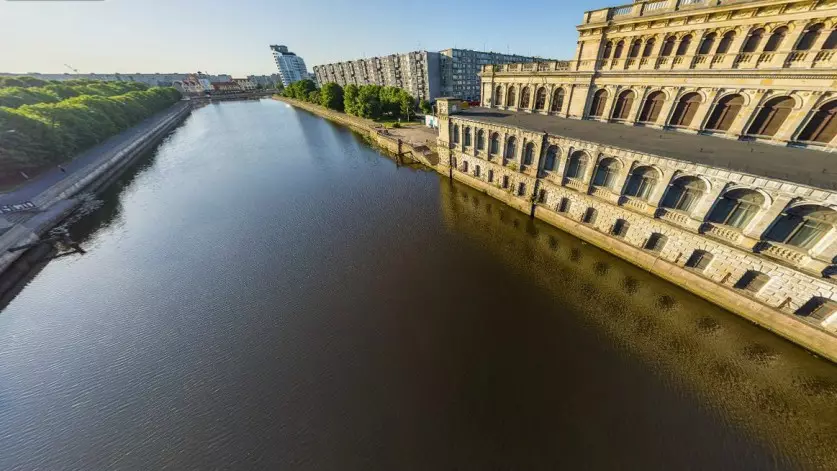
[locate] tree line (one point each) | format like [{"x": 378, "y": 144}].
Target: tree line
[
  {"x": 84, "y": 114},
  {"x": 15, "y": 96},
  {"x": 365, "y": 101}
]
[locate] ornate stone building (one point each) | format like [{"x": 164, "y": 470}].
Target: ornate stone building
[{"x": 671, "y": 139}]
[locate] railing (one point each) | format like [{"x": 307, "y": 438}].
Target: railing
[
  {"x": 529, "y": 66},
  {"x": 600, "y": 192},
  {"x": 798, "y": 56},
  {"x": 623, "y": 10},
  {"x": 824, "y": 56},
  {"x": 636, "y": 203},
  {"x": 677, "y": 60},
  {"x": 686, "y": 3},
  {"x": 782, "y": 252},
  {"x": 742, "y": 58},
  {"x": 701, "y": 59},
  {"x": 718, "y": 58},
  {"x": 654, "y": 6},
  {"x": 674, "y": 216},
  {"x": 722, "y": 232},
  {"x": 764, "y": 57},
  {"x": 576, "y": 184}
]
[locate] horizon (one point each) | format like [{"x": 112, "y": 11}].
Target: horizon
[{"x": 90, "y": 36}]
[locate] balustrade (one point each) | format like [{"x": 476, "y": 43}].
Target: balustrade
[
  {"x": 635, "y": 203},
  {"x": 674, "y": 216},
  {"x": 576, "y": 184},
  {"x": 783, "y": 252},
  {"x": 722, "y": 232}
]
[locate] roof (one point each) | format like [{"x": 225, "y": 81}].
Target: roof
[{"x": 803, "y": 166}]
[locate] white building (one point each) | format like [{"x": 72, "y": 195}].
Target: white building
[
  {"x": 291, "y": 66},
  {"x": 245, "y": 84}
]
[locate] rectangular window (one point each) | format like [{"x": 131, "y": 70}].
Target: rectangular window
[
  {"x": 564, "y": 205},
  {"x": 620, "y": 228},
  {"x": 699, "y": 260},
  {"x": 491, "y": 176},
  {"x": 656, "y": 242},
  {"x": 590, "y": 216},
  {"x": 505, "y": 181},
  {"x": 521, "y": 189}
]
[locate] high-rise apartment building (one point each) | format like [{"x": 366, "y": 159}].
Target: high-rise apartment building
[
  {"x": 426, "y": 75},
  {"x": 291, "y": 66}
]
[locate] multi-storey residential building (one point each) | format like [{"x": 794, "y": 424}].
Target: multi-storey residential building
[
  {"x": 245, "y": 84},
  {"x": 266, "y": 81},
  {"x": 692, "y": 137},
  {"x": 460, "y": 70},
  {"x": 426, "y": 75},
  {"x": 417, "y": 72},
  {"x": 291, "y": 66}
]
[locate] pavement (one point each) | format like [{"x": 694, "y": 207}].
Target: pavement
[{"x": 797, "y": 165}]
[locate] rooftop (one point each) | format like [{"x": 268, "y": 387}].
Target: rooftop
[{"x": 803, "y": 166}]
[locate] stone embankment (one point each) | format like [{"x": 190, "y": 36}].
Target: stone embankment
[{"x": 49, "y": 199}]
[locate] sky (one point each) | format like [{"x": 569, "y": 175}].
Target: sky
[{"x": 232, "y": 36}]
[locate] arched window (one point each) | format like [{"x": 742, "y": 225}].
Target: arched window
[
  {"x": 467, "y": 136},
  {"x": 557, "y": 100},
  {"x": 707, "y": 43},
  {"x": 511, "y": 97},
  {"x": 495, "y": 144},
  {"x": 684, "y": 193},
  {"x": 725, "y": 112},
  {"x": 598, "y": 104},
  {"x": 771, "y": 117},
  {"x": 624, "y": 103},
  {"x": 524, "y": 97},
  {"x": 606, "y": 173},
  {"x": 776, "y": 39},
  {"x": 737, "y": 208},
  {"x": 831, "y": 42},
  {"x": 620, "y": 228},
  {"x": 699, "y": 260},
  {"x": 823, "y": 126},
  {"x": 529, "y": 154},
  {"x": 540, "y": 99},
  {"x": 551, "y": 156},
  {"x": 803, "y": 226},
  {"x": 812, "y": 33},
  {"x": 652, "y": 107},
  {"x": 635, "y": 48},
  {"x": 683, "y": 48},
  {"x": 726, "y": 42},
  {"x": 642, "y": 182},
  {"x": 649, "y": 48},
  {"x": 754, "y": 40},
  {"x": 619, "y": 47},
  {"x": 498, "y": 96},
  {"x": 668, "y": 47},
  {"x": 590, "y": 216},
  {"x": 480, "y": 140},
  {"x": 685, "y": 110},
  {"x": 511, "y": 144},
  {"x": 455, "y": 134},
  {"x": 753, "y": 281},
  {"x": 656, "y": 242},
  {"x": 608, "y": 50},
  {"x": 577, "y": 165}
]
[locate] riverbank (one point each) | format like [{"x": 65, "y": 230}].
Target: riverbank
[
  {"x": 30, "y": 211},
  {"x": 811, "y": 338}
]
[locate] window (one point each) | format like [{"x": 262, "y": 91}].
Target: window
[
  {"x": 540, "y": 99},
  {"x": 521, "y": 189},
  {"x": 668, "y": 46},
  {"x": 557, "y": 100},
  {"x": 529, "y": 154},
  {"x": 524, "y": 97},
  {"x": 737, "y": 208},
  {"x": 726, "y": 42},
  {"x": 624, "y": 103},
  {"x": 510, "y": 148},
  {"x": 551, "y": 155},
  {"x": 455, "y": 134},
  {"x": 608, "y": 50},
  {"x": 699, "y": 260},
  {"x": 635, "y": 47},
  {"x": 606, "y": 173},
  {"x": 656, "y": 242},
  {"x": 590, "y": 216},
  {"x": 511, "y": 97},
  {"x": 753, "y": 41},
  {"x": 803, "y": 226},
  {"x": 771, "y": 117},
  {"x": 598, "y": 104},
  {"x": 649, "y": 48},
  {"x": 468, "y": 137},
  {"x": 684, "y": 193},
  {"x": 577, "y": 165},
  {"x": 564, "y": 205},
  {"x": 495, "y": 144},
  {"x": 642, "y": 182},
  {"x": 707, "y": 43},
  {"x": 752, "y": 281},
  {"x": 725, "y": 112},
  {"x": 776, "y": 39},
  {"x": 683, "y": 48},
  {"x": 465, "y": 166},
  {"x": 812, "y": 33},
  {"x": 818, "y": 308},
  {"x": 498, "y": 96},
  {"x": 619, "y": 47},
  {"x": 652, "y": 107},
  {"x": 542, "y": 196},
  {"x": 491, "y": 176},
  {"x": 480, "y": 140},
  {"x": 822, "y": 127},
  {"x": 620, "y": 228},
  {"x": 685, "y": 110},
  {"x": 505, "y": 181}
]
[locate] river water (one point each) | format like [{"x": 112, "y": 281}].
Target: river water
[{"x": 265, "y": 290}]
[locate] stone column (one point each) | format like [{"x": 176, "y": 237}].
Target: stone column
[
  {"x": 704, "y": 207},
  {"x": 764, "y": 219},
  {"x": 656, "y": 196},
  {"x": 789, "y": 44},
  {"x": 561, "y": 169},
  {"x": 734, "y": 50},
  {"x": 746, "y": 114},
  {"x": 611, "y": 100},
  {"x": 578, "y": 101},
  {"x": 816, "y": 47},
  {"x": 633, "y": 115},
  {"x": 550, "y": 89},
  {"x": 517, "y": 95},
  {"x": 798, "y": 118},
  {"x": 668, "y": 108},
  {"x": 703, "y": 111},
  {"x": 621, "y": 179}
]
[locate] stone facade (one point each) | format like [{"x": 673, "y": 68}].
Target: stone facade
[
  {"x": 719, "y": 224},
  {"x": 761, "y": 70}
]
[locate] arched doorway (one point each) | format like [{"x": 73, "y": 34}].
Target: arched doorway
[
  {"x": 540, "y": 99},
  {"x": 771, "y": 117},
  {"x": 524, "y": 98},
  {"x": 685, "y": 110},
  {"x": 557, "y": 100},
  {"x": 725, "y": 112},
  {"x": 598, "y": 104},
  {"x": 498, "y": 96},
  {"x": 624, "y": 103},
  {"x": 822, "y": 127},
  {"x": 511, "y": 97},
  {"x": 652, "y": 107}
]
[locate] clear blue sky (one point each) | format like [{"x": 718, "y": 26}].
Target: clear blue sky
[{"x": 232, "y": 36}]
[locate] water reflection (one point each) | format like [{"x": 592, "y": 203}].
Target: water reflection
[{"x": 774, "y": 389}]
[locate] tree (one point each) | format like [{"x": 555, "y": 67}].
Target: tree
[
  {"x": 426, "y": 107},
  {"x": 406, "y": 104},
  {"x": 314, "y": 97},
  {"x": 350, "y": 94},
  {"x": 369, "y": 102},
  {"x": 331, "y": 96}
]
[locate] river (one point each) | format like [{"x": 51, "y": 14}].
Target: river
[{"x": 265, "y": 290}]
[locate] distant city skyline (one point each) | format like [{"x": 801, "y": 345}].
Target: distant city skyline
[{"x": 132, "y": 36}]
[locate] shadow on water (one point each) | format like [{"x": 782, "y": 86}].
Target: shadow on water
[{"x": 773, "y": 389}]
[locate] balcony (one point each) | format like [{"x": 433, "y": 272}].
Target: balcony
[
  {"x": 651, "y": 8},
  {"x": 783, "y": 252},
  {"x": 722, "y": 232}
]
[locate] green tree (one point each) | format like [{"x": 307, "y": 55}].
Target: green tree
[
  {"x": 331, "y": 96},
  {"x": 426, "y": 107},
  {"x": 369, "y": 102},
  {"x": 350, "y": 94}
]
